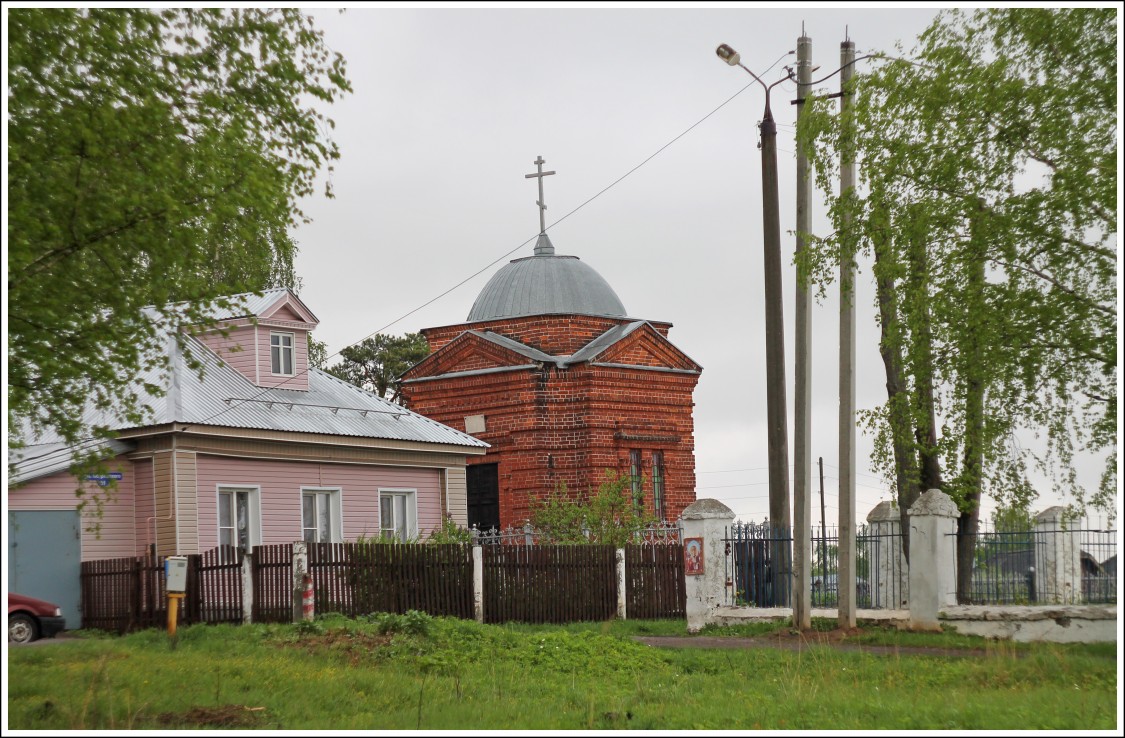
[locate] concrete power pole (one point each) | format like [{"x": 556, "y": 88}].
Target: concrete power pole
[
  {"x": 777, "y": 436},
  {"x": 802, "y": 389},
  {"x": 845, "y": 582}
]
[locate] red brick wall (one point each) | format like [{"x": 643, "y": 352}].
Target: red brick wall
[{"x": 567, "y": 426}]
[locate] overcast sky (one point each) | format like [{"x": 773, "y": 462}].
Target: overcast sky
[{"x": 452, "y": 106}]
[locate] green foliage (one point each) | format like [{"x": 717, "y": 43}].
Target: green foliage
[
  {"x": 412, "y": 622},
  {"x": 318, "y": 353},
  {"x": 553, "y": 678},
  {"x": 450, "y": 532},
  {"x": 1013, "y": 518},
  {"x": 607, "y": 516},
  {"x": 988, "y": 203},
  {"x": 375, "y": 364},
  {"x": 154, "y": 157},
  {"x": 382, "y": 539}
]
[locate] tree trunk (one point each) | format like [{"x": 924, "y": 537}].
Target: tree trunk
[
  {"x": 898, "y": 398},
  {"x": 918, "y": 294},
  {"x": 972, "y": 474}
]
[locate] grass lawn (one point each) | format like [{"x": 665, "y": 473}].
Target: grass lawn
[{"x": 411, "y": 672}]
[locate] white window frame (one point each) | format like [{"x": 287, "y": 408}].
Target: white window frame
[
  {"x": 334, "y": 497},
  {"x": 280, "y": 348},
  {"x": 411, "y": 508},
  {"x": 253, "y": 507}
]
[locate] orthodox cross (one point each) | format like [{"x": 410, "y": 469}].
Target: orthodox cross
[{"x": 540, "y": 174}]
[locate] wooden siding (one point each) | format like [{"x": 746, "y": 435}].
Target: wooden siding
[
  {"x": 111, "y": 535},
  {"x": 144, "y": 505},
  {"x": 165, "y": 508},
  {"x": 236, "y": 349},
  {"x": 285, "y": 312},
  {"x": 457, "y": 498},
  {"x": 300, "y": 378},
  {"x": 187, "y": 503},
  {"x": 304, "y": 446},
  {"x": 280, "y": 484}
]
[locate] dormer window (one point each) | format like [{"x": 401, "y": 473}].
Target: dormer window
[{"x": 281, "y": 353}]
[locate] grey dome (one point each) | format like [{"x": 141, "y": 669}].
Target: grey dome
[{"x": 543, "y": 284}]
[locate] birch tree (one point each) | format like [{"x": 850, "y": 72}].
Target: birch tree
[
  {"x": 988, "y": 167},
  {"x": 154, "y": 156}
]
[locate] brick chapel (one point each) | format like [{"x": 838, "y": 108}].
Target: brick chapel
[{"x": 548, "y": 370}]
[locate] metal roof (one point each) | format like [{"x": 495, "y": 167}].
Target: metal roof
[
  {"x": 32, "y": 462},
  {"x": 545, "y": 284},
  {"x": 226, "y": 398},
  {"x": 587, "y": 353}
]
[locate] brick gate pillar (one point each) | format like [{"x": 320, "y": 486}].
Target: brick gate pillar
[{"x": 705, "y": 523}]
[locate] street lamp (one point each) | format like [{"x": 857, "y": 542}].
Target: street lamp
[{"x": 777, "y": 434}]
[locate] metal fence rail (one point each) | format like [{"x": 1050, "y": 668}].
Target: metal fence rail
[
  {"x": 1099, "y": 566},
  {"x": 759, "y": 564},
  {"x": 665, "y": 532},
  {"x": 1043, "y": 565},
  {"x": 759, "y": 552}
]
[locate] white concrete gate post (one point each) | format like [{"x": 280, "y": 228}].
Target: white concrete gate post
[
  {"x": 300, "y": 569},
  {"x": 1059, "y": 562},
  {"x": 704, "y": 524},
  {"x": 933, "y": 559},
  {"x": 889, "y": 576},
  {"x": 247, "y": 587}
]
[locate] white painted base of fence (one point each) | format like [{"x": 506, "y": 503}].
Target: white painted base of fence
[{"x": 1070, "y": 624}]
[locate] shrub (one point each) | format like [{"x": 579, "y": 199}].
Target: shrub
[{"x": 608, "y": 516}]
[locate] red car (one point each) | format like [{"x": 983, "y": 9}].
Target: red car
[{"x": 29, "y": 619}]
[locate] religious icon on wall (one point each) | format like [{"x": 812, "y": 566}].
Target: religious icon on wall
[{"x": 693, "y": 556}]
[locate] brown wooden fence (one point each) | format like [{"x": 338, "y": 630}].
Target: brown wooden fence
[
  {"x": 272, "y": 574},
  {"x": 654, "y": 582},
  {"x": 549, "y": 584},
  {"x": 128, "y": 594},
  {"x": 532, "y": 584},
  {"x": 357, "y": 578}
]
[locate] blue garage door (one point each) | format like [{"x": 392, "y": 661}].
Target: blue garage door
[{"x": 44, "y": 556}]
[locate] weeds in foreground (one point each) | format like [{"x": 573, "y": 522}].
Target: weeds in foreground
[{"x": 414, "y": 672}]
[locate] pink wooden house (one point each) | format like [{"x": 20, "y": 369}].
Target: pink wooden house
[{"x": 265, "y": 449}]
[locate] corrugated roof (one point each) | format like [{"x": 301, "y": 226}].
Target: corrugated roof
[
  {"x": 598, "y": 346},
  {"x": 32, "y": 462},
  {"x": 512, "y": 345},
  {"x": 226, "y": 398},
  {"x": 603, "y": 342}
]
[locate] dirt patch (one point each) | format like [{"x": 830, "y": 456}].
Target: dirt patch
[
  {"x": 791, "y": 639},
  {"x": 354, "y": 645},
  {"x": 224, "y": 716}
]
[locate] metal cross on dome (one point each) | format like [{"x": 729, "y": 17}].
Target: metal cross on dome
[{"x": 540, "y": 174}]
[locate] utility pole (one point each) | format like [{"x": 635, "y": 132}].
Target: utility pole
[
  {"x": 777, "y": 433},
  {"x": 823, "y": 536},
  {"x": 845, "y": 582},
  {"x": 802, "y": 389},
  {"x": 820, "y": 462}
]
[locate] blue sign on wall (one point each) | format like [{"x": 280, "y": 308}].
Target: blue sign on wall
[{"x": 103, "y": 479}]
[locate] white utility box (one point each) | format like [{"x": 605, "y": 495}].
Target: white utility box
[{"x": 175, "y": 573}]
